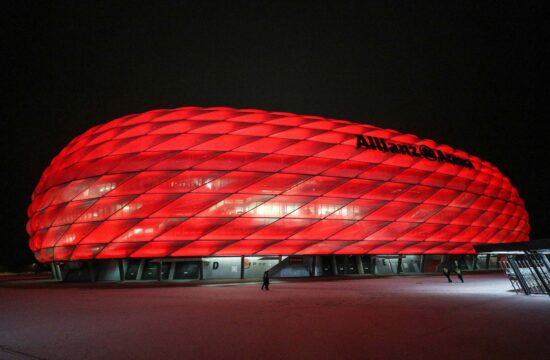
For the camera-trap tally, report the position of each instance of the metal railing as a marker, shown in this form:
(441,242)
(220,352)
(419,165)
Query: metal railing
(528,272)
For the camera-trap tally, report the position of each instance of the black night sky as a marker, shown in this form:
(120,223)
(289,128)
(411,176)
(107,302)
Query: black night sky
(468,74)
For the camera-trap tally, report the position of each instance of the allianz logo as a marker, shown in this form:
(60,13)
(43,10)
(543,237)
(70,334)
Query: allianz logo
(423,151)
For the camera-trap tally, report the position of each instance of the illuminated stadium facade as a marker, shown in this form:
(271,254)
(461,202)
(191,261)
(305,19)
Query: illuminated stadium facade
(195,193)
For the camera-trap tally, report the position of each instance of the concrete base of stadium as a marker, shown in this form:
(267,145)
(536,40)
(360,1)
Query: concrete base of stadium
(253,267)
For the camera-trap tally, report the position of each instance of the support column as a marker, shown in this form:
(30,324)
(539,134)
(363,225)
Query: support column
(172,270)
(53,266)
(140,269)
(201,270)
(242,267)
(160,271)
(399,264)
(59,272)
(121,269)
(334,266)
(313,266)
(360,269)
(346,264)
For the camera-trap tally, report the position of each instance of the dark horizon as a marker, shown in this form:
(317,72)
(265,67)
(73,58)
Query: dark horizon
(466,74)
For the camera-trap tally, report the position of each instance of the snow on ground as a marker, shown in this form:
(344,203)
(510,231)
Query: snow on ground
(408,317)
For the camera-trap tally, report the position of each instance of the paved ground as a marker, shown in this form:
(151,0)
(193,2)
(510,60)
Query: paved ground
(377,318)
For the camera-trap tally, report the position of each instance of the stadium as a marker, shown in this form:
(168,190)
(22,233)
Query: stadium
(213,193)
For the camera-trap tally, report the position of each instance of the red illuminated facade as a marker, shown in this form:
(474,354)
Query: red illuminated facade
(198,182)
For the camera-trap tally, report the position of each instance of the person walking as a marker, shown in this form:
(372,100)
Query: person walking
(266,281)
(446,272)
(458,271)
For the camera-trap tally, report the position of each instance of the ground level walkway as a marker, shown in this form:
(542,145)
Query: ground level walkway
(408,317)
